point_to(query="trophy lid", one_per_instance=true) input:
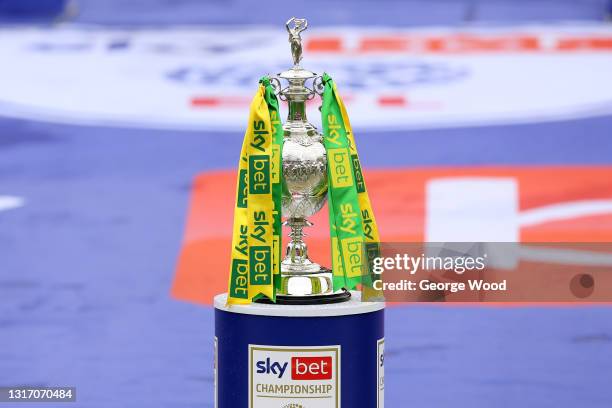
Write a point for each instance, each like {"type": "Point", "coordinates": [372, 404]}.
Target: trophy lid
{"type": "Point", "coordinates": [297, 73]}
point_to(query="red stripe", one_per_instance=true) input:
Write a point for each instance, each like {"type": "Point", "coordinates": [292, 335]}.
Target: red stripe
{"type": "Point", "coordinates": [392, 100]}
{"type": "Point", "coordinates": [218, 101]}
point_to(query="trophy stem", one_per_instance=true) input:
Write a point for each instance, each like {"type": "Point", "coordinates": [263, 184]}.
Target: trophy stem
{"type": "Point", "coordinates": [304, 281]}
{"type": "Point", "coordinates": [297, 228]}
{"type": "Point", "coordinates": [296, 258]}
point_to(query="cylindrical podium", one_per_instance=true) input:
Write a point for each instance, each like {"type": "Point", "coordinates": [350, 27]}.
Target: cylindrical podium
{"type": "Point", "coordinates": [299, 356]}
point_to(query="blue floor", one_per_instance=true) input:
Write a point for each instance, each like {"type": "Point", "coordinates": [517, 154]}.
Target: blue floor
{"type": "Point", "coordinates": [86, 265]}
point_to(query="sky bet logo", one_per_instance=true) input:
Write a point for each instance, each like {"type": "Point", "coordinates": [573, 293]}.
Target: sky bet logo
{"type": "Point", "coordinates": [302, 368]}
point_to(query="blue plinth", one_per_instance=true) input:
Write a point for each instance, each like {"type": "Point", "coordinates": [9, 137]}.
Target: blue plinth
{"type": "Point", "coordinates": [315, 356]}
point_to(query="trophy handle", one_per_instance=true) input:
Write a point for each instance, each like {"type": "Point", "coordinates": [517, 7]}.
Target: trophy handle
{"type": "Point", "coordinates": [317, 85]}
{"type": "Point", "coordinates": [278, 90]}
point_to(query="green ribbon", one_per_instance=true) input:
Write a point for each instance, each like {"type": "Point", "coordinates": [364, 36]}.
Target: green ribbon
{"type": "Point", "coordinates": [277, 176]}
{"type": "Point", "coordinates": [346, 227]}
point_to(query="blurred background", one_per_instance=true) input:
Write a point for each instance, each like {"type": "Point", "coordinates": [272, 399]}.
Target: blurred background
{"type": "Point", "coordinates": [121, 122]}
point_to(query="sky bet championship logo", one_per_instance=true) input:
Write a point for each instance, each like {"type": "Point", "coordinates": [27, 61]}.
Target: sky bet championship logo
{"type": "Point", "coordinates": [307, 377]}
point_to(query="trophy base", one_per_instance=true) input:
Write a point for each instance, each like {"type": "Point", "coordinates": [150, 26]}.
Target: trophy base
{"type": "Point", "coordinates": [310, 280]}
{"type": "Point", "coordinates": [340, 296]}
{"type": "Point", "coordinates": [308, 287]}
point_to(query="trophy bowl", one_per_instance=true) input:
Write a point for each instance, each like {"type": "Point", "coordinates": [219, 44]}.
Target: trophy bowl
{"type": "Point", "coordinates": [305, 177]}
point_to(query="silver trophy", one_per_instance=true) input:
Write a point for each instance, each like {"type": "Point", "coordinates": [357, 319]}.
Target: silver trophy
{"type": "Point", "coordinates": [305, 178]}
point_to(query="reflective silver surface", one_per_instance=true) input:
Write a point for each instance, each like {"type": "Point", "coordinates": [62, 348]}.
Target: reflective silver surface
{"type": "Point", "coordinates": [294, 27]}
{"type": "Point", "coordinates": [304, 175]}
